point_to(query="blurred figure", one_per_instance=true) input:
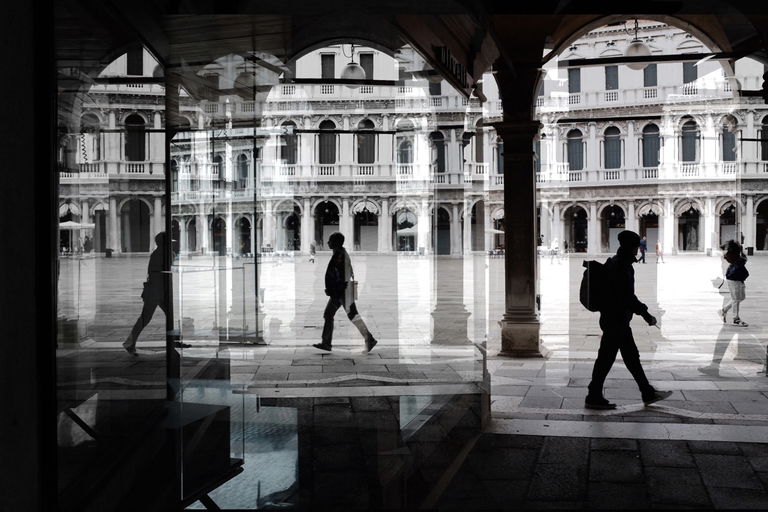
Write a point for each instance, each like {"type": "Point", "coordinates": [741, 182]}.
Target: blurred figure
{"type": "Point", "coordinates": [659, 252]}
{"type": "Point", "coordinates": [735, 276]}
{"type": "Point", "coordinates": [643, 249]}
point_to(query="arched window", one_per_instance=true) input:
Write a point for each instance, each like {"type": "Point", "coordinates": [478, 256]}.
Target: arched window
{"type": "Point", "coordinates": [466, 140]}
{"type": "Point", "coordinates": [217, 171]}
{"type": "Point", "coordinates": [438, 143]}
{"type": "Point", "coordinates": [405, 151]}
{"type": "Point", "coordinates": [366, 142]}
{"type": "Point", "coordinates": [728, 140]}
{"type": "Point", "coordinates": [764, 141]}
{"type": "Point", "coordinates": [242, 171]}
{"type": "Point", "coordinates": [174, 175]}
{"type": "Point", "coordinates": [651, 146]}
{"type": "Point", "coordinates": [612, 148]}
{"type": "Point", "coordinates": [289, 143]}
{"type": "Point", "coordinates": [690, 141]}
{"type": "Point", "coordinates": [327, 143]}
{"type": "Point", "coordinates": [90, 147]}
{"type": "Point", "coordinates": [134, 138]}
{"type": "Point", "coordinates": [575, 148]}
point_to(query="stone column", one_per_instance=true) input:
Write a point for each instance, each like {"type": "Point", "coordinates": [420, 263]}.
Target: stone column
{"type": "Point", "coordinates": [254, 243]}
{"type": "Point", "coordinates": [158, 218]}
{"type": "Point", "coordinates": [113, 236]}
{"type": "Point", "coordinates": [202, 233]}
{"type": "Point", "coordinates": [467, 244]}
{"type": "Point", "coordinates": [520, 324]}
{"type": "Point", "coordinates": [231, 246]}
{"type": "Point", "coordinates": [669, 228]}
{"type": "Point", "coordinates": [183, 242]}
{"type": "Point", "coordinates": [593, 235]}
{"type": "Point", "coordinates": [487, 235]}
{"type": "Point", "coordinates": [385, 227]}
{"type": "Point", "coordinates": [631, 219]}
{"type": "Point", "coordinates": [557, 225]}
{"type": "Point", "coordinates": [269, 224]}
{"type": "Point", "coordinates": [455, 230]}
{"type": "Point", "coordinates": [306, 233]}
{"type": "Point", "coordinates": [748, 224]}
{"type": "Point", "coordinates": [345, 226]}
{"type": "Point", "coordinates": [710, 236]}
{"type": "Point", "coordinates": [423, 227]}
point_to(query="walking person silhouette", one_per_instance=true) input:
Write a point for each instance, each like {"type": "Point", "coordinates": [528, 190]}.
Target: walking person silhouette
{"type": "Point", "coordinates": [340, 294]}
{"type": "Point", "coordinates": [735, 276]}
{"type": "Point", "coordinates": [153, 296]}
{"type": "Point", "coordinates": [619, 306]}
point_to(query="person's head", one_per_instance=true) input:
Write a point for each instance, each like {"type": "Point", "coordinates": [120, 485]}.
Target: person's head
{"type": "Point", "coordinates": [160, 238]}
{"type": "Point", "coordinates": [629, 243]}
{"type": "Point", "coordinates": [645, 237]}
{"type": "Point", "coordinates": [336, 241]}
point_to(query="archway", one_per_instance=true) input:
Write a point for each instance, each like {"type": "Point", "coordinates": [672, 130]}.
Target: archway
{"type": "Point", "coordinates": [134, 218]}
{"type": "Point", "coordinates": [649, 227]}
{"type": "Point", "coordinates": [761, 231]}
{"type": "Point", "coordinates": [244, 236]}
{"type": "Point", "coordinates": [219, 234]}
{"type": "Point", "coordinates": [292, 225]}
{"type": "Point", "coordinates": [477, 226]}
{"type": "Point", "coordinates": [326, 222]}
{"type": "Point", "coordinates": [688, 238]}
{"type": "Point", "coordinates": [612, 223]}
{"type": "Point", "coordinates": [192, 235]}
{"type": "Point", "coordinates": [576, 229]}
{"type": "Point", "coordinates": [404, 230]}
{"type": "Point", "coordinates": [442, 231]}
{"type": "Point", "coordinates": [498, 232]}
{"type": "Point", "coordinates": [728, 224]}
{"type": "Point", "coordinates": [366, 229]}
{"type": "Point", "coordinates": [100, 229]}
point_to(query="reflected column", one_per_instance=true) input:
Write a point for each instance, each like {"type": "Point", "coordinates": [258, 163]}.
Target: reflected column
{"type": "Point", "coordinates": [520, 323]}
{"type": "Point", "coordinates": [455, 230]}
{"type": "Point", "coordinates": [113, 235]}
{"type": "Point", "coordinates": [593, 237]}
{"type": "Point", "coordinates": [385, 227]}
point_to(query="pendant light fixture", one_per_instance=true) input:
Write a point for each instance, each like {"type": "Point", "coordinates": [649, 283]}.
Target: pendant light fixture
{"type": "Point", "coordinates": [353, 70]}
{"type": "Point", "coordinates": [637, 48]}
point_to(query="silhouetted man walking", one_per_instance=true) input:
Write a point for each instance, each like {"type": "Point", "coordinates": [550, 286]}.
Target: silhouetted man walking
{"type": "Point", "coordinates": [619, 305]}
{"type": "Point", "coordinates": [340, 294]}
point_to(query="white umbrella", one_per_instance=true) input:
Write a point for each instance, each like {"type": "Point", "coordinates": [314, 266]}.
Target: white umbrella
{"type": "Point", "coordinates": [72, 225]}
{"type": "Point", "coordinates": [407, 231]}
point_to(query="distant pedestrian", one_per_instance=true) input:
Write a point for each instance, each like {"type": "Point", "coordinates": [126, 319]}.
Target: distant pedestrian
{"type": "Point", "coordinates": [87, 244]}
{"type": "Point", "coordinates": [312, 252]}
{"type": "Point", "coordinates": [619, 305]}
{"type": "Point", "coordinates": [643, 249]}
{"type": "Point", "coordinates": [735, 276]}
{"type": "Point", "coordinates": [659, 252]}
{"type": "Point", "coordinates": [339, 289]}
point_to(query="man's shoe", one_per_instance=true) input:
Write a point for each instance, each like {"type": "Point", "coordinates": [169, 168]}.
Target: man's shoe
{"type": "Point", "coordinates": [740, 323]}
{"type": "Point", "coordinates": [132, 351]}
{"type": "Point", "coordinates": [370, 342]}
{"type": "Point", "coordinates": [323, 346]}
{"type": "Point", "coordinates": [179, 344]}
{"type": "Point", "coordinates": [655, 396]}
{"type": "Point", "coordinates": [598, 403]}
{"type": "Point", "coordinates": [711, 369]}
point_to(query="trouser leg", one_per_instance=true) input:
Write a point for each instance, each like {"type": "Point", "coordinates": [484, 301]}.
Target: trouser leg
{"type": "Point", "coordinates": [144, 318]}
{"type": "Point", "coordinates": [356, 319]}
{"type": "Point", "coordinates": [330, 311]}
{"type": "Point", "coordinates": [631, 357]}
{"type": "Point", "coordinates": [728, 305]}
{"type": "Point", "coordinates": [736, 304]}
{"type": "Point", "coordinates": [606, 355]}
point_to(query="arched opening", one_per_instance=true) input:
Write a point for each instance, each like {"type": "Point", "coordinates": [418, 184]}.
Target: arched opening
{"type": "Point", "coordinates": [242, 171]}
{"type": "Point", "coordinates": [466, 150]}
{"type": "Point", "coordinates": [366, 142]}
{"type": "Point", "coordinates": [90, 139]}
{"type": "Point", "coordinates": [326, 143]}
{"type": "Point", "coordinates": [405, 151]}
{"type": "Point", "coordinates": [651, 146]}
{"type": "Point", "coordinates": [134, 219]}
{"type": "Point", "coordinates": [219, 234]}
{"type": "Point", "coordinates": [404, 230]}
{"type": "Point", "coordinates": [100, 228]}
{"type": "Point", "coordinates": [135, 144]}
{"type": "Point", "coordinates": [761, 231]}
{"type": "Point", "coordinates": [649, 226]}
{"type": "Point", "coordinates": [612, 223]}
{"type": "Point", "coordinates": [575, 150]}
{"type": "Point", "coordinates": [498, 232]}
{"type": "Point", "coordinates": [728, 139]}
{"type": "Point", "coordinates": [244, 236]}
{"type": "Point", "coordinates": [575, 238]}
{"type": "Point", "coordinates": [68, 238]}
{"type": "Point", "coordinates": [289, 144]}
{"type": "Point", "coordinates": [612, 148]}
{"type": "Point", "coordinates": [690, 142]}
{"type": "Point", "coordinates": [442, 231]}
{"type": "Point", "coordinates": [326, 222]}
{"type": "Point", "coordinates": [174, 175]}
{"type": "Point", "coordinates": [477, 226]}
{"type": "Point", "coordinates": [366, 230]}
{"type": "Point", "coordinates": [192, 235]}
{"type": "Point", "coordinates": [292, 240]}
{"type": "Point", "coordinates": [688, 238]}
{"type": "Point", "coordinates": [438, 151]}
{"type": "Point", "coordinates": [728, 224]}
{"type": "Point", "coordinates": [217, 171]}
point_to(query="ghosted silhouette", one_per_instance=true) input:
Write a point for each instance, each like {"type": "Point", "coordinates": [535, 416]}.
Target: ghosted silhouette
{"type": "Point", "coordinates": [153, 295]}
{"type": "Point", "coordinates": [338, 288]}
{"type": "Point", "coordinates": [735, 276]}
{"type": "Point", "coordinates": [618, 306]}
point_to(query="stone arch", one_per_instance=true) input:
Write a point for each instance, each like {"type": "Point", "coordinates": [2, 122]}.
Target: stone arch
{"type": "Point", "coordinates": [148, 122]}
{"type": "Point", "coordinates": [579, 204]}
{"type": "Point", "coordinates": [333, 200]}
{"type": "Point", "coordinates": [279, 206]}
{"type": "Point", "coordinates": [684, 204]}
{"type": "Point", "coordinates": [140, 198]}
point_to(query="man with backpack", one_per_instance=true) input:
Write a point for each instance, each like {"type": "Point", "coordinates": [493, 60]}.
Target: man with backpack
{"type": "Point", "coordinates": [617, 305]}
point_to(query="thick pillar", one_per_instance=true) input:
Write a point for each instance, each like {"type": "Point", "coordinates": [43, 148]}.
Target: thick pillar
{"type": "Point", "coordinates": [113, 235]}
{"type": "Point", "coordinates": [520, 324]}
{"type": "Point", "coordinates": [345, 226]}
{"type": "Point", "coordinates": [306, 233]}
{"type": "Point", "coordinates": [593, 235]}
{"type": "Point", "coordinates": [545, 229]}
{"type": "Point", "coordinates": [669, 227]}
{"type": "Point", "coordinates": [487, 235]}
{"type": "Point", "coordinates": [748, 224]}
{"type": "Point", "coordinates": [631, 219]}
{"type": "Point", "coordinates": [467, 235]}
{"type": "Point", "coordinates": [254, 243]}
{"type": "Point", "coordinates": [385, 227]}
{"type": "Point", "coordinates": [269, 224]}
{"type": "Point", "coordinates": [710, 237]}
{"type": "Point", "coordinates": [557, 225]}
{"type": "Point", "coordinates": [455, 230]}
{"type": "Point", "coordinates": [202, 233]}
{"type": "Point", "coordinates": [158, 224]}
{"type": "Point", "coordinates": [183, 241]}
{"type": "Point", "coordinates": [423, 227]}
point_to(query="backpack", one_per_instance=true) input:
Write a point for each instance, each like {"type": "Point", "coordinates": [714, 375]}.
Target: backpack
{"type": "Point", "coordinates": [593, 285]}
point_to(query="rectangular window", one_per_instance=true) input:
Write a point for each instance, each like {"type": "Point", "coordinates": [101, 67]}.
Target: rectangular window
{"type": "Point", "coordinates": [574, 80]}
{"type": "Point", "coordinates": [612, 147]}
{"type": "Point", "coordinates": [434, 88]}
{"type": "Point", "coordinates": [135, 64]}
{"type": "Point", "coordinates": [689, 72]}
{"type": "Point", "coordinates": [328, 66]}
{"type": "Point", "coordinates": [651, 150]}
{"type": "Point", "coordinates": [611, 78]}
{"type": "Point", "coordinates": [649, 76]}
{"type": "Point", "coordinates": [366, 62]}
